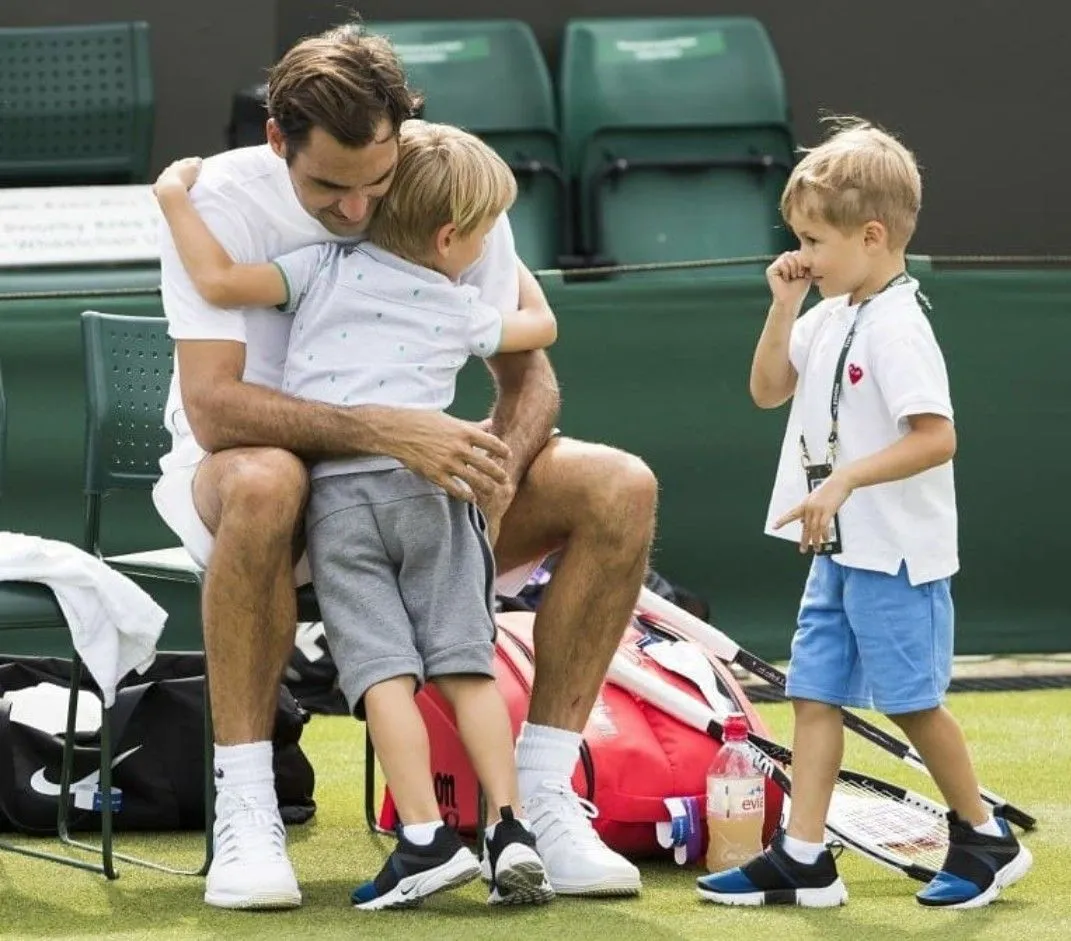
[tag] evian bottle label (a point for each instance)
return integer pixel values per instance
(735, 797)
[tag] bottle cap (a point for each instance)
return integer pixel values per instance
(735, 726)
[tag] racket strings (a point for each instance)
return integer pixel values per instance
(917, 836)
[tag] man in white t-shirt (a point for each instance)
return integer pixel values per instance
(235, 483)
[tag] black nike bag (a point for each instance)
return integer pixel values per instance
(157, 752)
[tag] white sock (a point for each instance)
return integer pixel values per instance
(544, 752)
(244, 767)
(421, 833)
(802, 851)
(989, 828)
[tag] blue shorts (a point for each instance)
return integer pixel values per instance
(871, 640)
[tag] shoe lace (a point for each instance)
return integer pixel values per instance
(247, 830)
(565, 812)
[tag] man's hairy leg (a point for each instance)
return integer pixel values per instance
(252, 500)
(597, 505)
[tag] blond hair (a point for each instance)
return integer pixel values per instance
(444, 175)
(861, 173)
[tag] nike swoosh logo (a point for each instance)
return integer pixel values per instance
(46, 788)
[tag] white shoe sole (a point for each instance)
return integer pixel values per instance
(828, 897)
(412, 890)
(1009, 875)
(620, 884)
(282, 898)
(520, 879)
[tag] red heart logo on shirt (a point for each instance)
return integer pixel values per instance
(855, 373)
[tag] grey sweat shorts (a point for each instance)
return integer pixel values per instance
(404, 576)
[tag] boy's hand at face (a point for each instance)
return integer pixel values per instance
(817, 510)
(177, 176)
(789, 280)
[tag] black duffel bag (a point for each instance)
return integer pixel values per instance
(157, 752)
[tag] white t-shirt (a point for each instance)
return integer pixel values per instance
(248, 201)
(894, 369)
(371, 328)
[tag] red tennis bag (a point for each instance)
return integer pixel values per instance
(633, 755)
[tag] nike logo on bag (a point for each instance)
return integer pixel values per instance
(46, 788)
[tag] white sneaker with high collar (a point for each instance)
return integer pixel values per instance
(250, 868)
(577, 861)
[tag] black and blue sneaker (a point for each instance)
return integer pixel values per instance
(976, 867)
(517, 873)
(775, 878)
(412, 873)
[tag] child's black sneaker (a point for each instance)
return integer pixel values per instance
(775, 878)
(976, 867)
(517, 873)
(412, 873)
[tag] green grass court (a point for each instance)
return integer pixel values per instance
(1021, 741)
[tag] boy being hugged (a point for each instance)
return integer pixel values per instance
(865, 482)
(403, 571)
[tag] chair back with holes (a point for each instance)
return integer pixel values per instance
(79, 105)
(128, 363)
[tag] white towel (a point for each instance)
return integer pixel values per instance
(114, 624)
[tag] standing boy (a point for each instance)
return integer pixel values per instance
(865, 481)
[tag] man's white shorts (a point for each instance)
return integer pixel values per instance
(173, 497)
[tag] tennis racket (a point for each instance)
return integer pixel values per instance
(883, 822)
(679, 623)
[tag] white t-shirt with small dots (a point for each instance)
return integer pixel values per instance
(371, 328)
(247, 199)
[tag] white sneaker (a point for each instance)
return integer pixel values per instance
(250, 868)
(577, 861)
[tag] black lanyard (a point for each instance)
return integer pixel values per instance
(838, 378)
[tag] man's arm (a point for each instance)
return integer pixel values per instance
(527, 399)
(219, 279)
(226, 412)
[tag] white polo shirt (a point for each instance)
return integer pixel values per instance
(374, 329)
(894, 369)
(248, 201)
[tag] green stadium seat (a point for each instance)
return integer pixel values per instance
(677, 134)
(76, 105)
(489, 77)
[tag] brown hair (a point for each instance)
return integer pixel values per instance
(861, 173)
(444, 175)
(345, 81)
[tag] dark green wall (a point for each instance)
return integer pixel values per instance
(659, 367)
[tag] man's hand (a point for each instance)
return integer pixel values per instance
(789, 281)
(459, 456)
(494, 504)
(817, 511)
(180, 175)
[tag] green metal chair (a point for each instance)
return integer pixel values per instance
(25, 609)
(677, 134)
(128, 367)
(489, 77)
(77, 104)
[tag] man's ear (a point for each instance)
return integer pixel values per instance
(875, 235)
(275, 138)
(445, 238)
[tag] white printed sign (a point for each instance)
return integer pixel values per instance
(61, 225)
